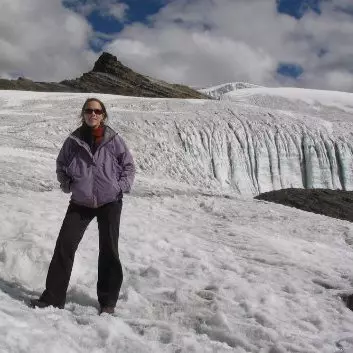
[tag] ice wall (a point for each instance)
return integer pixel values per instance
(244, 148)
(253, 157)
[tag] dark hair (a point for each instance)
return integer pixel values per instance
(105, 114)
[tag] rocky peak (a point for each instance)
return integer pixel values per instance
(109, 64)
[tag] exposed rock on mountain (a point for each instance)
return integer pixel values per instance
(24, 84)
(332, 203)
(108, 76)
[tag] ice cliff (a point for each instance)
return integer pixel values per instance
(257, 141)
(257, 156)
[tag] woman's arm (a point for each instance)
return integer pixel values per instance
(61, 164)
(126, 161)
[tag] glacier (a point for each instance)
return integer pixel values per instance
(250, 141)
(257, 140)
(257, 155)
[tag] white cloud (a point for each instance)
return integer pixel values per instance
(344, 5)
(195, 44)
(204, 42)
(40, 39)
(118, 11)
(332, 32)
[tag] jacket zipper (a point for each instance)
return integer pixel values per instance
(88, 150)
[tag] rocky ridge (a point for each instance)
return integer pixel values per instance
(108, 76)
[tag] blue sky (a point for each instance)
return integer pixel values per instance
(302, 43)
(297, 8)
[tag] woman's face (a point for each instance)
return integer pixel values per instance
(93, 114)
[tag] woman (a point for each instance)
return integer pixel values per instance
(96, 166)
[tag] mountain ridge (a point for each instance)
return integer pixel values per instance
(108, 76)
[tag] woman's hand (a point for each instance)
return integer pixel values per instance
(66, 186)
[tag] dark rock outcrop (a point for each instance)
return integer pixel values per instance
(24, 84)
(332, 203)
(108, 76)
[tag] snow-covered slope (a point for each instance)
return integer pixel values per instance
(205, 272)
(295, 99)
(252, 141)
(220, 90)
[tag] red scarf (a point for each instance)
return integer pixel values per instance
(97, 135)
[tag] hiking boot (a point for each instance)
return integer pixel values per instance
(37, 303)
(107, 309)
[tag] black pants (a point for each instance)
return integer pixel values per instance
(110, 274)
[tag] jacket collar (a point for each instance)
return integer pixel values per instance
(109, 133)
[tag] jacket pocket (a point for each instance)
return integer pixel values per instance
(79, 166)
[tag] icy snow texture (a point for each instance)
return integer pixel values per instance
(274, 138)
(205, 271)
(252, 141)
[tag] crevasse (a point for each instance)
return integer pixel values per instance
(252, 157)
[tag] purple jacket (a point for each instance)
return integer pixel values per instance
(95, 180)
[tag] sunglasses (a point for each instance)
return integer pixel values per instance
(96, 111)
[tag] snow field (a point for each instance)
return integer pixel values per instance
(206, 270)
